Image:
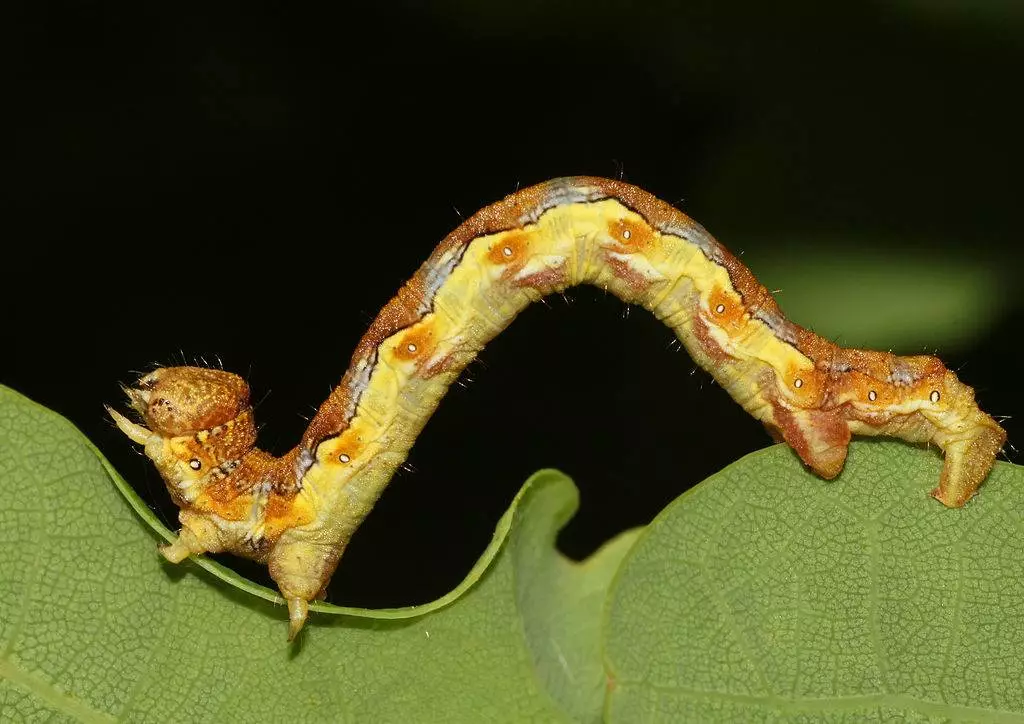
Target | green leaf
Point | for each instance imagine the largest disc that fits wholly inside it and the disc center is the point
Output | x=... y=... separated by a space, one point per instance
x=94 y=627
x=563 y=604
x=765 y=594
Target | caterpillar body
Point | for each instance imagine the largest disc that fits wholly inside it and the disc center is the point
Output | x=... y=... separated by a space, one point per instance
x=298 y=512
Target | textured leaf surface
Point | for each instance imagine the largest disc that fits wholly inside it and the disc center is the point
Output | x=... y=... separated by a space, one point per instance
x=762 y=595
x=94 y=627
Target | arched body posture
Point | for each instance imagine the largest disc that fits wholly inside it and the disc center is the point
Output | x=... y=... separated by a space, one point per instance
x=298 y=512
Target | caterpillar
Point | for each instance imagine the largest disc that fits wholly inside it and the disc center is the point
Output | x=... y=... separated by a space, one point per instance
x=297 y=512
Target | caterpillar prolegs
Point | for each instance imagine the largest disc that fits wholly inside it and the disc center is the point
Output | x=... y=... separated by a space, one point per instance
x=298 y=512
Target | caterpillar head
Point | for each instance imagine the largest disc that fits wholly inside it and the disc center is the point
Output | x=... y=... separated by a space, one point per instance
x=197 y=423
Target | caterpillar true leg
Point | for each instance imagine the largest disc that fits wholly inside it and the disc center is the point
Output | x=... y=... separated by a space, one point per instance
x=298 y=512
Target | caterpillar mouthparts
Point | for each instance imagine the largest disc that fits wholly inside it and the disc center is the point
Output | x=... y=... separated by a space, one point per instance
x=297 y=512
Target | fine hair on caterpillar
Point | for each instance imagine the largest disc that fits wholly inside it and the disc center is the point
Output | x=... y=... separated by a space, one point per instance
x=297 y=512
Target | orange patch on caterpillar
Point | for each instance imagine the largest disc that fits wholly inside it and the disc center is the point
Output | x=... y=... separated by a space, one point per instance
x=511 y=247
x=634 y=234
x=345 y=448
x=923 y=365
x=805 y=386
x=228 y=507
x=417 y=343
x=867 y=390
x=188 y=447
x=223 y=491
x=284 y=512
x=726 y=310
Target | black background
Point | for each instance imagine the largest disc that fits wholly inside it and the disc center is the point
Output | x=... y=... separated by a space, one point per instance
x=252 y=183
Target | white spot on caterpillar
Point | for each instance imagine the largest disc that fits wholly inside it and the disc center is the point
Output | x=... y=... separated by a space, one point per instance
x=720 y=308
x=186 y=489
x=934 y=396
x=872 y=395
x=507 y=251
x=344 y=458
x=304 y=463
x=626 y=234
x=257 y=513
x=901 y=376
x=411 y=347
x=798 y=383
x=195 y=464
